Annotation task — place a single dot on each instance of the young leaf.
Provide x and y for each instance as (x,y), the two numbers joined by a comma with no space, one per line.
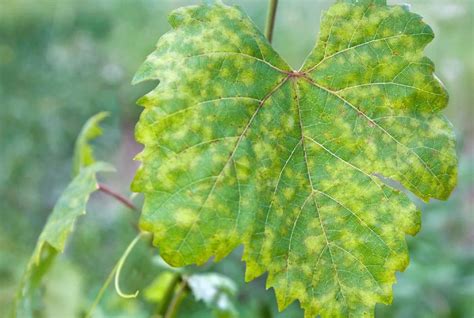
(83,152)
(158,290)
(53,238)
(240,149)
(60,223)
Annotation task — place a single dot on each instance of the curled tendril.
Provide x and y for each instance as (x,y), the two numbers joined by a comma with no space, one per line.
(120,265)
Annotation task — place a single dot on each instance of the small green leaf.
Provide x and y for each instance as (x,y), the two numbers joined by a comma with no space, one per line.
(53,238)
(69,206)
(83,153)
(157,291)
(241,149)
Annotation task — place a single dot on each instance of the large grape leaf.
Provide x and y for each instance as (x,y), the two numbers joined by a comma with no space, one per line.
(70,205)
(241,149)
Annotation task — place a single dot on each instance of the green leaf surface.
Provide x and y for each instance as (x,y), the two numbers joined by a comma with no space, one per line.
(52,240)
(157,291)
(83,152)
(70,205)
(68,208)
(241,149)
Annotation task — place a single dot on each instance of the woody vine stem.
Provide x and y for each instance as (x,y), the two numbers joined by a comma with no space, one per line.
(272,8)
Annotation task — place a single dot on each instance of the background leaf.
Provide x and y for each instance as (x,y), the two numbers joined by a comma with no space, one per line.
(157,291)
(83,152)
(52,240)
(216,291)
(70,205)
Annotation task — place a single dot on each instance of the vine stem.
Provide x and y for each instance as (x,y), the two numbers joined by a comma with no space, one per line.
(105,189)
(272,8)
(168,296)
(177,299)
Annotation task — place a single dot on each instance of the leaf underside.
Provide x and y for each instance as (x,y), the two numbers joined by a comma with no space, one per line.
(241,149)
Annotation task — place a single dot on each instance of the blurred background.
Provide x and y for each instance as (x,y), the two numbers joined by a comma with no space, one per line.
(62,61)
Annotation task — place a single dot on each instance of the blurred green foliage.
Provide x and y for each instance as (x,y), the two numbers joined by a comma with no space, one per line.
(63,60)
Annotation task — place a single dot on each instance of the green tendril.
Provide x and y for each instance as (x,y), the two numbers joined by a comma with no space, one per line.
(120,265)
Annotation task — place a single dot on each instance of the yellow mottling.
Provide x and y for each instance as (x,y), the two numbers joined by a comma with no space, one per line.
(289,123)
(340,9)
(218,158)
(313,243)
(226,72)
(180,134)
(279,211)
(307,269)
(248,77)
(244,162)
(298,290)
(365,57)
(386,32)
(288,193)
(289,173)
(218,90)
(398,11)
(185,217)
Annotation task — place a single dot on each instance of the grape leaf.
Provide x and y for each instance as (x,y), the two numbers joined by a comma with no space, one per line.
(83,152)
(241,149)
(158,290)
(53,238)
(70,205)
